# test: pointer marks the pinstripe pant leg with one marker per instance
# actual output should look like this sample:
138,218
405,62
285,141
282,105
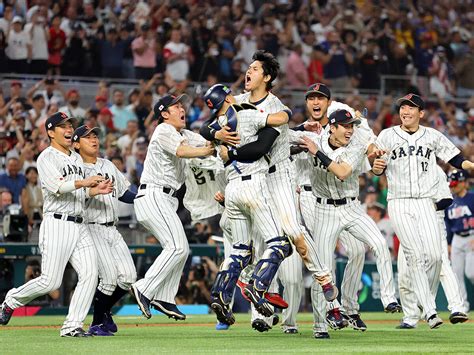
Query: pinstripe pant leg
362,227
84,262
57,240
108,272
127,274
156,211
408,299
405,214
290,275
224,223
352,273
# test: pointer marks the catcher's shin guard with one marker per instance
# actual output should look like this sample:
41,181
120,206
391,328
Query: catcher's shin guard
227,277
277,250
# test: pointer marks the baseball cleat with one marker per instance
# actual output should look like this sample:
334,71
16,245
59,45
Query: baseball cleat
330,291
258,300
321,335
260,325
100,331
276,300
77,333
335,319
222,311
393,307
169,309
291,331
142,301
222,326
6,313
109,323
355,322
458,317
404,325
434,321
275,319
242,286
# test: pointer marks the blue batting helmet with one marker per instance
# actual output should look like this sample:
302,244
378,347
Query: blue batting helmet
456,176
215,96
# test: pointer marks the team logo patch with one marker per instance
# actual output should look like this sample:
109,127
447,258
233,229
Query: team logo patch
50,125
63,115
348,114
161,107
209,103
316,87
408,97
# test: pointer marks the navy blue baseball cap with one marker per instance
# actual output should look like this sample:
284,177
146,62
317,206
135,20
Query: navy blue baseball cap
342,117
411,100
56,119
318,89
165,102
215,97
83,131
457,176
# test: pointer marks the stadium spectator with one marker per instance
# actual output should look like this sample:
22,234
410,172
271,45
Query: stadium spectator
122,113
112,54
72,109
144,53
39,34
56,44
296,70
31,196
465,72
18,48
13,180
177,56
105,120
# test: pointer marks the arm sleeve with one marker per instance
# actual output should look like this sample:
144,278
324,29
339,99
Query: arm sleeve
255,150
206,131
128,197
457,161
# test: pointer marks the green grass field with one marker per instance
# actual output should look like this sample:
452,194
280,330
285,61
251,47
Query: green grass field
40,335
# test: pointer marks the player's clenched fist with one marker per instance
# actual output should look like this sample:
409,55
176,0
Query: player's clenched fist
379,166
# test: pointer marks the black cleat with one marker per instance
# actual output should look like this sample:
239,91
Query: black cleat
335,319
355,322
404,325
291,331
260,325
458,317
275,319
222,311
393,307
258,300
321,335
77,333
169,309
5,314
142,301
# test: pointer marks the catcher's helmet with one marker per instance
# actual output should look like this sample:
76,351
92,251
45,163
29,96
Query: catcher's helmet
215,96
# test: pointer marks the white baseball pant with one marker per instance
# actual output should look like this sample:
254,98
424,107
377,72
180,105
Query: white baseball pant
462,260
116,266
416,225
156,211
61,242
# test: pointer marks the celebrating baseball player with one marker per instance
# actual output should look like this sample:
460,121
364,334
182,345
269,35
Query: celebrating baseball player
411,311
156,205
116,268
408,157
63,236
338,162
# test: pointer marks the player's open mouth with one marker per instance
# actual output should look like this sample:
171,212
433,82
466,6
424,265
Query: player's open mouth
248,79
68,137
182,118
317,109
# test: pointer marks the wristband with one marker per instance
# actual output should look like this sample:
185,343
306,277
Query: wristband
67,186
323,158
232,153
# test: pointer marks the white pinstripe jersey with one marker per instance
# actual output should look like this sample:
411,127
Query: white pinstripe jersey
271,104
204,177
162,166
54,168
302,162
249,122
411,160
104,208
325,184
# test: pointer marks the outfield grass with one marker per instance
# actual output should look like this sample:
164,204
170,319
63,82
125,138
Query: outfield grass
40,335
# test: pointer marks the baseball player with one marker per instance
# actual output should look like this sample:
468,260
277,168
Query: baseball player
318,103
280,178
156,204
63,237
338,162
460,225
246,205
116,267
447,277
408,156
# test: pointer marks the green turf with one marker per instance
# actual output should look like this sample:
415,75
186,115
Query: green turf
197,335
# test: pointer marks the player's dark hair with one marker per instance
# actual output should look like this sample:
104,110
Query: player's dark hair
117,157
31,168
270,65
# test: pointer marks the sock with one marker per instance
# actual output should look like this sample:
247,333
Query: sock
115,297
101,300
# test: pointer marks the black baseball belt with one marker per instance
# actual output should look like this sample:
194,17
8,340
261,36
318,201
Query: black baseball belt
75,219
107,224
166,190
330,201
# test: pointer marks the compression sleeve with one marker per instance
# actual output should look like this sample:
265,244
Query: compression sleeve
255,150
67,186
457,161
128,197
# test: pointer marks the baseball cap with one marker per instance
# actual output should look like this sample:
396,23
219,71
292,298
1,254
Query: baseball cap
100,98
318,88
56,119
72,91
16,83
342,117
457,176
412,100
215,97
105,111
165,102
83,131
17,19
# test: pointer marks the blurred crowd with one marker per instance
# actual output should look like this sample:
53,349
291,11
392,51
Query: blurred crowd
345,44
